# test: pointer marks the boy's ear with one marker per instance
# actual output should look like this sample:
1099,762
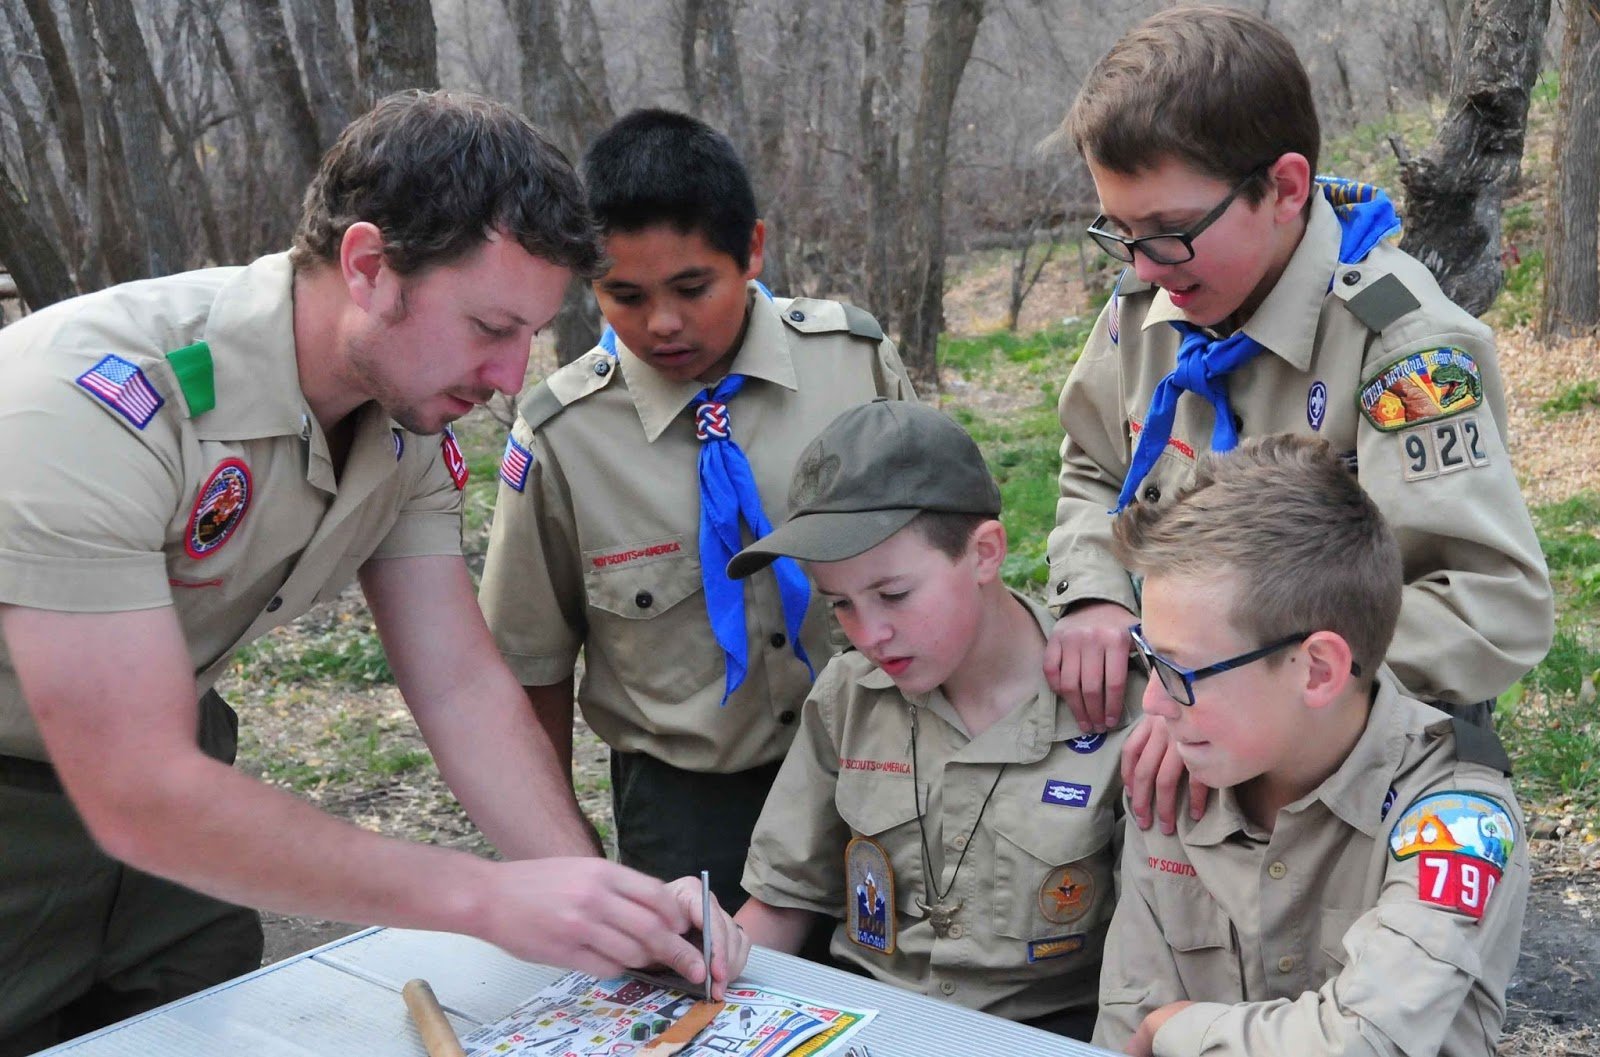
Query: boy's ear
1328,660
988,546
1291,178
758,246
361,261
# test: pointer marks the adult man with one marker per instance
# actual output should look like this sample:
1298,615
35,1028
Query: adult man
208,455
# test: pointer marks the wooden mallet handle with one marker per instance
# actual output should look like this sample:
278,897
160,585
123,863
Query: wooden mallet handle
437,1035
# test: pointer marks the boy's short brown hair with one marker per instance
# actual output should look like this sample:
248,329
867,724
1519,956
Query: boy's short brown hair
1218,89
436,172
1309,547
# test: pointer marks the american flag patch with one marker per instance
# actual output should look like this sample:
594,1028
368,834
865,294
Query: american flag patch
515,464
123,387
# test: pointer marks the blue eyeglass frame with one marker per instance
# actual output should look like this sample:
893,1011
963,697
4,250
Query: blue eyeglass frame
1162,668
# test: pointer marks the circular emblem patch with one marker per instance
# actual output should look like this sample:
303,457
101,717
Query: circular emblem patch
218,509
1084,744
1316,404
1066,895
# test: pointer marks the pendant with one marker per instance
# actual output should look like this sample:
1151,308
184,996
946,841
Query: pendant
941,916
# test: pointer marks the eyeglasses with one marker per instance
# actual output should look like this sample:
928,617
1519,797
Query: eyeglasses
1174,247
1179,681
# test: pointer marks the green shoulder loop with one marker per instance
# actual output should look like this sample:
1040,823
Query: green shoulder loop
191,365
589,373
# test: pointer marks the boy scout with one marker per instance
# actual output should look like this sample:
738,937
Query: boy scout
1358,883
973,823
196,459
630,478
1274,300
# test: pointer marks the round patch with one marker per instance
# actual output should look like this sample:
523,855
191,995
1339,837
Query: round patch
1316,404
218,509
1066,895
1086,743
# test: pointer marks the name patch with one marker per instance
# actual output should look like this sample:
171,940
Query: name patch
851,763
633,554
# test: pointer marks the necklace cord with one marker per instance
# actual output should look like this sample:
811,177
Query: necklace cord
932,885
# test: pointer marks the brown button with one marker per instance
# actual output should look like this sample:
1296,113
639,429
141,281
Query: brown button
1151,494
1277,871
275,605
948,986
1285,964
959,843
956,931
786,717
644,600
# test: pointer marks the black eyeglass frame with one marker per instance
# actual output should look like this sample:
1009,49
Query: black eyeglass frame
1163,669
1121,248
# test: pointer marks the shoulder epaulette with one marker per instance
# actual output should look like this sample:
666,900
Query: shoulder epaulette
1475,744
1376,301
810,315
588,374
192,367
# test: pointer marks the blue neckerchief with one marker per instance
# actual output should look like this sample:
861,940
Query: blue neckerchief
608,337
1366,217
727,495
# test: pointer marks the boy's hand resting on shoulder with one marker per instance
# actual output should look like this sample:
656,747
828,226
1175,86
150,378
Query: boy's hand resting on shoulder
1086,663
1151,770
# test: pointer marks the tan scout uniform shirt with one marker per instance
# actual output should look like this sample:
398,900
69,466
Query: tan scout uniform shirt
97,511
1477,611
1315,938
1036,887
601,547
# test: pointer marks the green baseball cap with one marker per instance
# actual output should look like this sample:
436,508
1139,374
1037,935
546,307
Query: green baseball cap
866,476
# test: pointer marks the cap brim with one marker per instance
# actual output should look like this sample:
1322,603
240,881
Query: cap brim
829,536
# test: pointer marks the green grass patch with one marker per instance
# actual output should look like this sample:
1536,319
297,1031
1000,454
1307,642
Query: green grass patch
347,655
1020,449
987,354
1518,301
1364,153
1579,396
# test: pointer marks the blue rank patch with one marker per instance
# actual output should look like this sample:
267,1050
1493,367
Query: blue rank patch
1084,744
515,464
1066,794
123,387
1056,947
399,444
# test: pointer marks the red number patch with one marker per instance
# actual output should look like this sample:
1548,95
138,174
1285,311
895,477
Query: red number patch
1460,882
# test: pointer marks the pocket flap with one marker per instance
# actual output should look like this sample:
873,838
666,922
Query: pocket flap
1190,918
874,804
1072,839
641,581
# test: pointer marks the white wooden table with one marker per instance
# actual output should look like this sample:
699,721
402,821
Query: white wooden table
344,998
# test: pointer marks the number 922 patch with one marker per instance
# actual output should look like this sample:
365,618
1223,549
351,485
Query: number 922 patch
1443,447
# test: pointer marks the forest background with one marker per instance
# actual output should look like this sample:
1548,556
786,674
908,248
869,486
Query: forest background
895,147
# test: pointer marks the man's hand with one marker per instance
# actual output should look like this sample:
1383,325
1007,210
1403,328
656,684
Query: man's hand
1086,663
586,914
730,947
1144,1040
1151,770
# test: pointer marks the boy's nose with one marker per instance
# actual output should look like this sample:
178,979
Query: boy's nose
1147,270
664,323
1157,702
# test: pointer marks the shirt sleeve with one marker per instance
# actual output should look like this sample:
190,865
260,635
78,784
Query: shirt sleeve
429,522
797,850
1417,973
532,591
88,497
1477,610
1094,460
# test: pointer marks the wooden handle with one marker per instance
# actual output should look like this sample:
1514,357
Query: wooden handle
438,1036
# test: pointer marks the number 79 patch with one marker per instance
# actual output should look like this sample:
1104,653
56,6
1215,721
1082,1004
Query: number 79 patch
1443,446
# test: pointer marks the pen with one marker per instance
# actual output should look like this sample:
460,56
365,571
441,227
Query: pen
705,925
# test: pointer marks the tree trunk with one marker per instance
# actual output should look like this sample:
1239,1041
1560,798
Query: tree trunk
284,95
134,88
1572,243
879,119
63,88
952,29
28,251
330,84
397,47
571,108
1453,190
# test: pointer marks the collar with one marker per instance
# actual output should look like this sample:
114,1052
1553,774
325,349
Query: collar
1286,322
763,354
250,329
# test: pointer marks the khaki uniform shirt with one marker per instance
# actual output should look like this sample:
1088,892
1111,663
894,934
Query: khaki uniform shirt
600,547
1477,611
1037,884
233,516
1352,927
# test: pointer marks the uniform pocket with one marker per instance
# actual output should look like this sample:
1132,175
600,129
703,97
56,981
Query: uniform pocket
1195,926
1050,880
647,613
881,807
1336,924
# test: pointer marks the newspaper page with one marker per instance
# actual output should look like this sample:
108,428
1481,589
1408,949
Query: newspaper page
580,1016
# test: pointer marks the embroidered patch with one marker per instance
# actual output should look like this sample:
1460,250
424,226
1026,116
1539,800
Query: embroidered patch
870,879
1172,866
1388,804
218,509
515,464
1422,387
1113,329
1443,447
1056,947
1316,404
123,387
634,554
454,461
1070,794
1461,841
1084,744
1066,895
399,444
